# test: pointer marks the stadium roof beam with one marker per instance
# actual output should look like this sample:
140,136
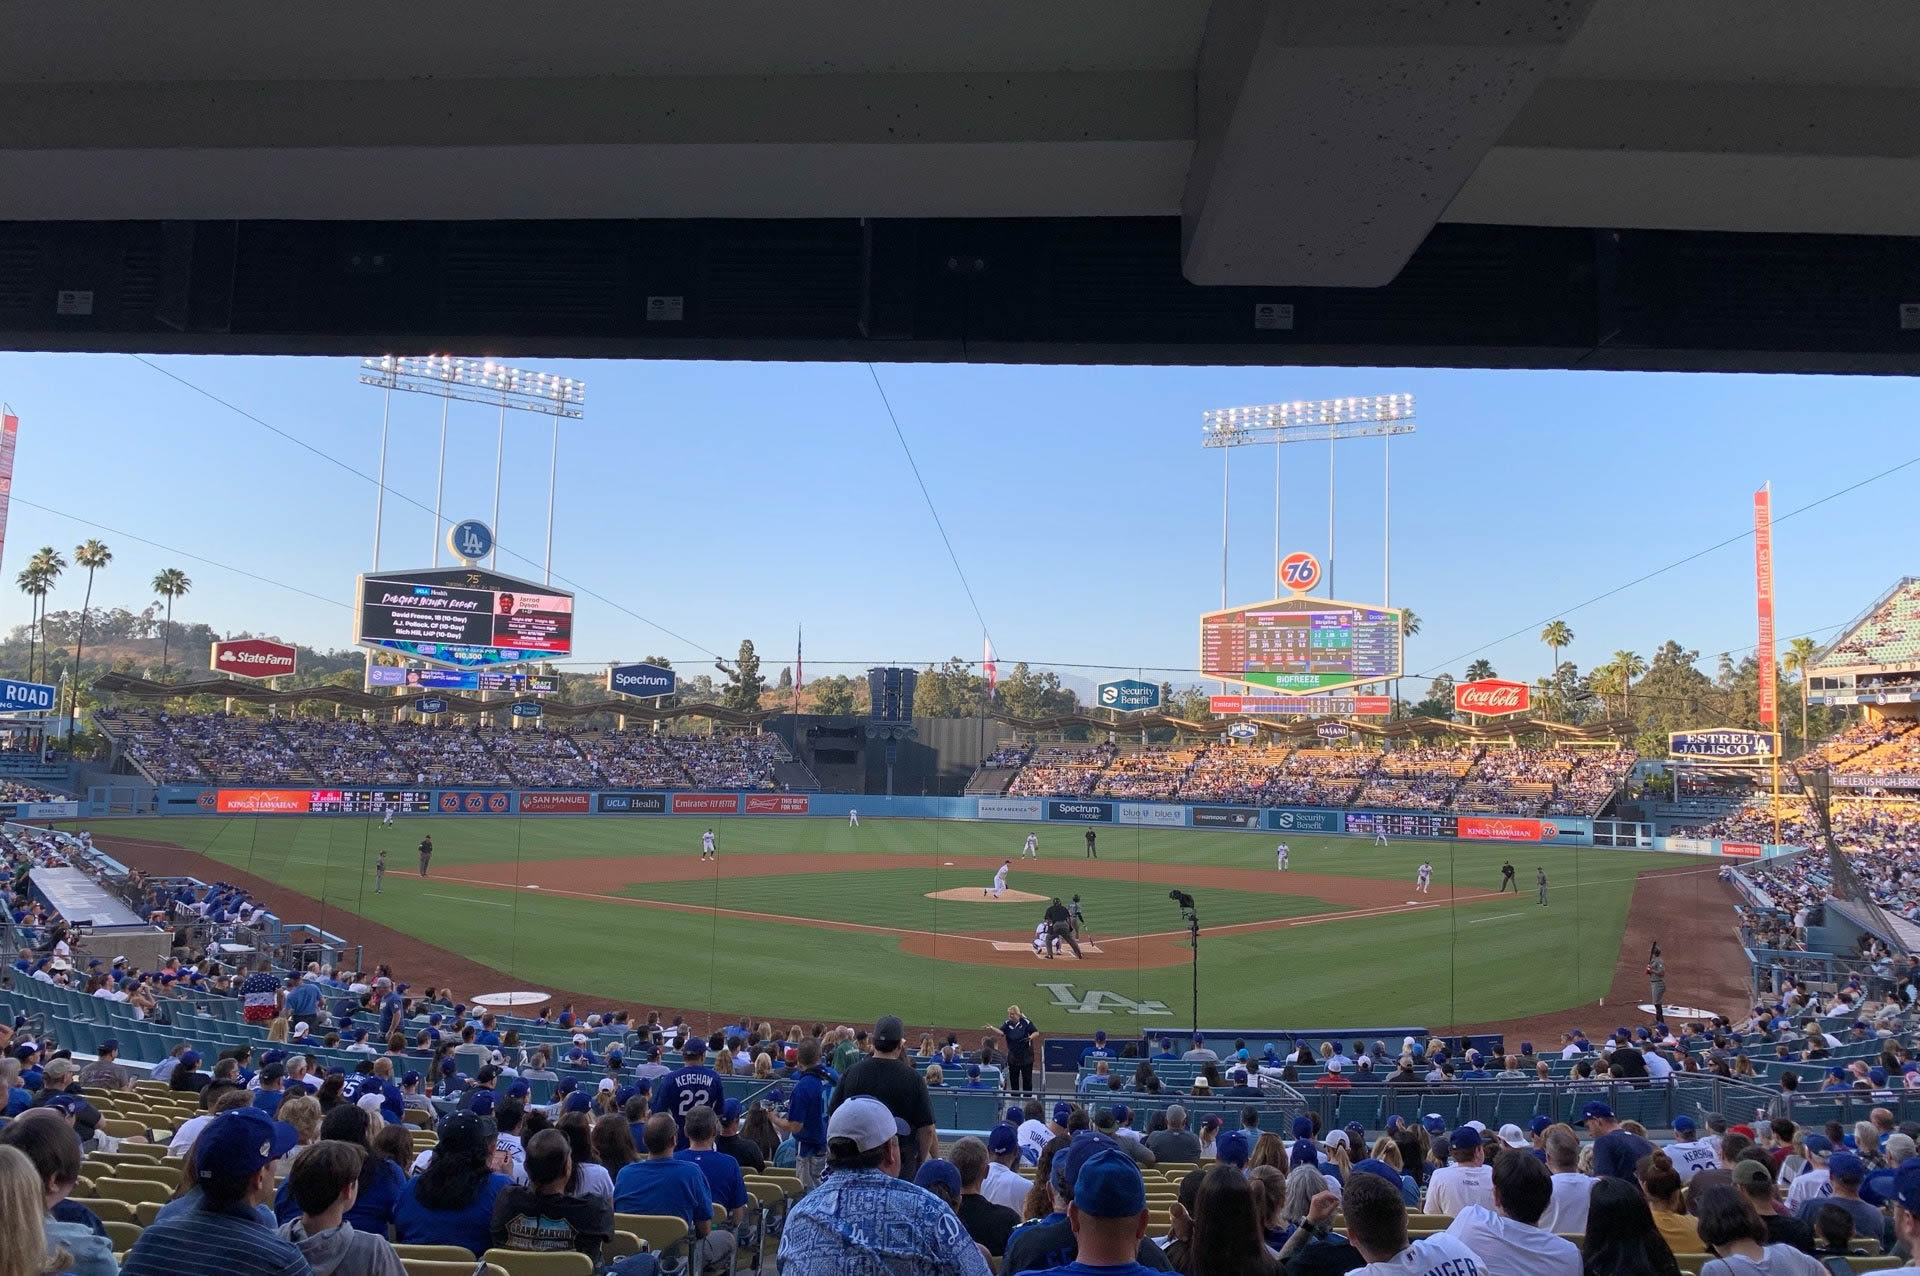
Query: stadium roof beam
1333,134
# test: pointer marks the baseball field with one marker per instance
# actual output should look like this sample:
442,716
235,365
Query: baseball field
810,919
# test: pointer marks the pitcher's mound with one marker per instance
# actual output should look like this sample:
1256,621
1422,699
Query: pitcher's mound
978,895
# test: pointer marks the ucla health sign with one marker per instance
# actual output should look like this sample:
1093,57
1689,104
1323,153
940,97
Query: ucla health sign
644,681
1128,695
18,696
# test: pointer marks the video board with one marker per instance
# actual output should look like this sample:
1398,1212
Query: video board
1301,644
1402,823
463,617
368,801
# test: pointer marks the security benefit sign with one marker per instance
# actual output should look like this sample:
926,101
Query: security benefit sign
1128,695
1726,744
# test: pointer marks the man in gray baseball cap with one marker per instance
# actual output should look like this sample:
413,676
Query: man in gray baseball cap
887,1076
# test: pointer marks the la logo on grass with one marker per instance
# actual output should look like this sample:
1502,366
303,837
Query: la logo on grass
1097,1001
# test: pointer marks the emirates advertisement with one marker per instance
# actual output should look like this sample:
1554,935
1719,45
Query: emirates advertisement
1492,697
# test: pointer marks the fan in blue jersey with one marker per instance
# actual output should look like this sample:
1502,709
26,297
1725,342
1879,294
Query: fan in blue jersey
688,1087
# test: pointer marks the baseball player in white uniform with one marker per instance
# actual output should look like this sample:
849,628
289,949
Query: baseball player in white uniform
707,851
1280,854
999,880
1423,881
1379,836
387,820
1031,846
853,818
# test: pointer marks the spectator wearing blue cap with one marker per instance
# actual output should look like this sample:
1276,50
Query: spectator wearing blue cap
1465,1180
1688,1151
1846,1172
186,1075
1004,1185
1110,1218
745,1152
451,1201
1617,1152
223,1234
1815,1180
863,1217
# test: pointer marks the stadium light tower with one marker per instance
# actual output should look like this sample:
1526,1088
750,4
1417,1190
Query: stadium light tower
448,378
1308,421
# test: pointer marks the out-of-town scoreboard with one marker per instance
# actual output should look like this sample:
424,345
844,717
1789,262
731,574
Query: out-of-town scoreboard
1302,644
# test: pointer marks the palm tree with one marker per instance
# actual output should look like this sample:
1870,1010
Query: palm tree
169,584
1480,669
1556,635
1800,660
47,564
92,555
33,584
1409,626
1629,666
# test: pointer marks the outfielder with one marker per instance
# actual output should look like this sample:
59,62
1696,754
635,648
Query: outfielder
1379,835
1540,876
1031,847
1423,880
387,820
707,852
999,880
853,818
380,873
1280,853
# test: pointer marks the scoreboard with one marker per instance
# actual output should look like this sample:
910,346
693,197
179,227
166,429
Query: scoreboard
1301,644
1403,823
463,616
369,801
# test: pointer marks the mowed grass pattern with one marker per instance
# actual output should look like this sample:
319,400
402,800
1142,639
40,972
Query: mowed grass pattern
1482,961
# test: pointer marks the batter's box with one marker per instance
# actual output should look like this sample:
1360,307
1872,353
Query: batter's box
1007,946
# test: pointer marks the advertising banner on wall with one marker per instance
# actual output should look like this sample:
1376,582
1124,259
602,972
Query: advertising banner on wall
18,697
1500,828
1308,706
262,801
777,804
633,803
1728,744
1234,817
1011,809
1298,820
1492,697
256,658
476,803
1740,850
1763,599
556,803
1084,812
1127,695
706,803
1689,845
1152,813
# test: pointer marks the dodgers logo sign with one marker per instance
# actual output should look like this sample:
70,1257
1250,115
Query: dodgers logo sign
1299,571
15,696
1128,695
644,681
471,540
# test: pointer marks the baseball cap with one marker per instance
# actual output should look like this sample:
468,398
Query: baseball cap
1107,1184
1002,1139
410,1077
1231,1149
940,1172
1818,1145
1303,1127
1539,1124
862,1120
482,1103
731,1111
68,1103
1066,1165
973,1070
1356,1132
1100,1037
1513,1136
1061,1111
577,1102
237,1143
606,1084
1684,1124
1122,1113
1594,1111
1846,1167
519,1090
1434,1123
1751,1173
1368,1165
1015,1115
1211,1121
1480,1126
1464,1139
888,1032
112,1043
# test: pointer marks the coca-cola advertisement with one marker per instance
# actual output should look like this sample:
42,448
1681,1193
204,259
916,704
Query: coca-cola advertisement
1492,697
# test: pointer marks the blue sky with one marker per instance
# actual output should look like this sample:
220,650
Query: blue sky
730,500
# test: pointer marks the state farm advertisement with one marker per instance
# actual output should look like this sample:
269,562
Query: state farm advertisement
253,658
776,804
556,803
1492,697
1494,828
706,803
263,801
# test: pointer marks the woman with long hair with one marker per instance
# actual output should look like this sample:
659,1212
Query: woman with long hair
763,1066
381,1181
24,1243
1269,1150
758,1127
1730,1227
1228,1239
1621,1239
451,1202
613,1143
589,1177
1039,1203
1667,1198
46,1141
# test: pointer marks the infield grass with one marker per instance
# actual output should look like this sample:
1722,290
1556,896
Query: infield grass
1479,961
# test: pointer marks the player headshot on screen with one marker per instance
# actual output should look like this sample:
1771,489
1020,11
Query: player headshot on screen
413,677
506,604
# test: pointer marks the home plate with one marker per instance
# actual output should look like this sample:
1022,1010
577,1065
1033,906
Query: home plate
1004,946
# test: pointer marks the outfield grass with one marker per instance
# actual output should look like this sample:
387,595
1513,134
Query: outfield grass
1478,962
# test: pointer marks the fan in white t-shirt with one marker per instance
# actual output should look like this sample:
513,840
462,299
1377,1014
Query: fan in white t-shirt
1688,1152
1376,1225
1508,1236
1572,1190
1467,1180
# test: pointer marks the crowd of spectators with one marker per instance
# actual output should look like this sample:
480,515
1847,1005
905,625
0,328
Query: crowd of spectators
236,749
1881,840
1062,771
1150,775
1890,635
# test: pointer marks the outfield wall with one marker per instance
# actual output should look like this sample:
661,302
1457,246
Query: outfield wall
1095,813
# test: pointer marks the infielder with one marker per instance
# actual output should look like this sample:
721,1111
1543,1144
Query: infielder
1423,880
707,852
1031,846
1540,876
853,818
999,880
1280,852
426,853
380,873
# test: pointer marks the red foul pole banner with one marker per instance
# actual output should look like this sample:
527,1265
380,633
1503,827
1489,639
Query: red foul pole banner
9,434
1763,596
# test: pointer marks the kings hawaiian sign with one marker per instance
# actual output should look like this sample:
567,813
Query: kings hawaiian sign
1491,697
